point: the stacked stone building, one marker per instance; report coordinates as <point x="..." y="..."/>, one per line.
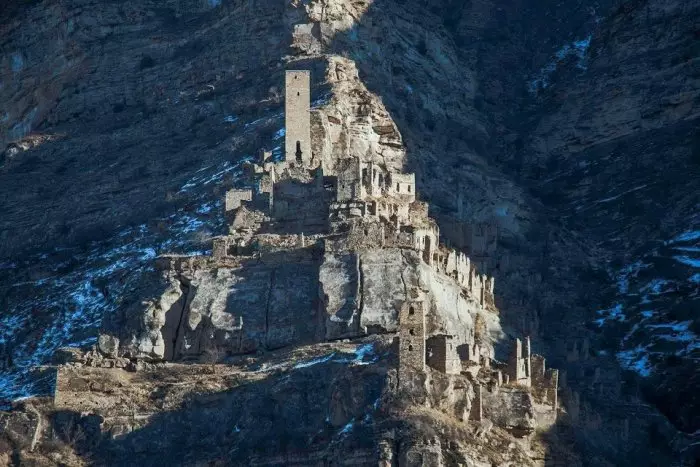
<point x="321" y="250"/>
<point x="381" y="266"/>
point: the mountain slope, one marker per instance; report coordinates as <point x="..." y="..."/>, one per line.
<point x="123" y="118"/>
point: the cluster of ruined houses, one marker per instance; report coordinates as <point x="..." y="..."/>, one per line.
<point x="363" y="205"/>
<point x="439" y="352"/>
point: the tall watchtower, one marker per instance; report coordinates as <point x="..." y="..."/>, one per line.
<point x="297" y="122"/>
<point x="411" y="341"/>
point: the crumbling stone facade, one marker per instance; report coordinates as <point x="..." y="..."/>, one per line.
<point x="519" y="368"/>
<point x="545" y="381"/>
<point x="236" y="198"/>
<point x="442" y="354"/>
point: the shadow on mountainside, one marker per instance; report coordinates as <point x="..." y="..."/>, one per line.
<point x="127" y="147"/>
<point x="128" y="158"/>
<point x="297" y="416"/>
<point x="549" y="281"/>
<point x="265" y="301"/>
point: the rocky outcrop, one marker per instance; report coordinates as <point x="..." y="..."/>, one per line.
<point x="510" y="408"/>
<point x="267" y="285"/>
<point x="248" y="411"/>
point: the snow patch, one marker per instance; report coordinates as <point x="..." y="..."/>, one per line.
<point x="315" y="361"/>
<point x="206" y="208"/>
<point x="321" y="101"/>
<point x="693" y="249"/>
<point x="636" y="360"/>
<point x="576" y="49"/>
<point x="347" y="428"/>
<point x="655" y="287"/>
<point x="611" y="314"/>
<point x="693" y="262"/>
<point x="613" y="198"/>
<point x="626" y="273"/>
<point x="203" y="179"/>
<point x="688" y="236"/>
<point x="365" y="351"/>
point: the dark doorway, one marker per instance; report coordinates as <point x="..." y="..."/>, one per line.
<point x="299" y="153"/>
<point x="426" y="250"/>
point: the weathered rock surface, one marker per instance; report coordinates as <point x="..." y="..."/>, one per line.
<point x="95" y="96"/>
<point x="250" y="412"/>
<point x="340" y="281"/>
<point x="510" y="408"/>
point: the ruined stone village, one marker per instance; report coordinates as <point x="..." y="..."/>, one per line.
<point x="318" y="254"/>
<point x="360" y="213"/>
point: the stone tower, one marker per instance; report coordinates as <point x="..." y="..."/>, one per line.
<point x="296" y="115"/>
<point x="411" y="341"/>
<point x="519" y="363"/>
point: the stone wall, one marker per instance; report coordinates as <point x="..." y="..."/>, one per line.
<point x="349" y="181"/>
<point x="442" y="354"/>
<point x="235" y="198"/>
<point x="519" y="368"/>
<point x="411" y="339"/>
<point x="403" y="186"/>
<point x="297" y="118"/>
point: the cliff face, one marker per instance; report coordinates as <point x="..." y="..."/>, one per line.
<point x="124" y="120"/>
<point x="619" y="149"/>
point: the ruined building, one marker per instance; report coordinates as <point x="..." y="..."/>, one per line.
<point x="381" y="266"/>
<point x="320" y="251"/>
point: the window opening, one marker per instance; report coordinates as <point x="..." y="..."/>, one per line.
<point x="298" y="152"/>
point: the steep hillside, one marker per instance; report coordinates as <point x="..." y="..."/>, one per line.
<point x="568" y="129"/>
<point x="615" y="150"/>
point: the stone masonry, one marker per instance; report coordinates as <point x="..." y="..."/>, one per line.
<point x="320" y="251"/>
<point x="297" y="124"/>
<point x="411" y="340"/>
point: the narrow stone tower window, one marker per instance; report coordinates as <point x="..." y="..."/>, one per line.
<point x="411" y="311"/>
<point x="299" y="153"/>
<point x="410" y="348"/>
<point x="397" y="187"/>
